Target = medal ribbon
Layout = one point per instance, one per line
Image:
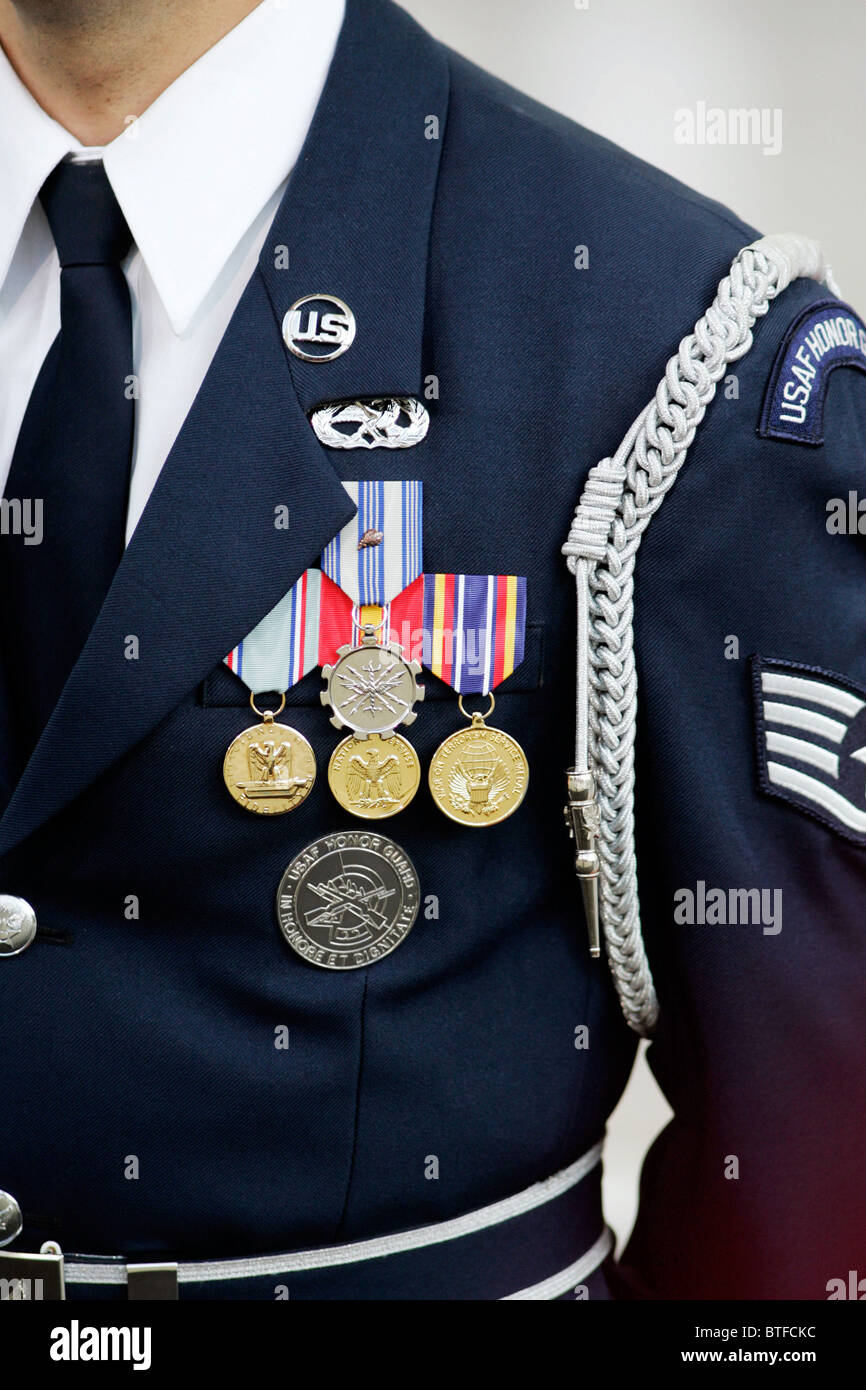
(343, 621)
(474, 627)
(284, 646)
(378, 554)
(468, 629)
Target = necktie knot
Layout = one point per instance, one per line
(84, 216)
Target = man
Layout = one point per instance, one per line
(261, 245)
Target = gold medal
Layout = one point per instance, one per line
(479, 775)
(374, 777)
(371, 688)
(270, 768)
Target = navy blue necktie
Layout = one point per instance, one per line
(73, 452)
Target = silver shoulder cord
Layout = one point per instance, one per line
(619, 499)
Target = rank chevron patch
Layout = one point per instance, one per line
(811, 727)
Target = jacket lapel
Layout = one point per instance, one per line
(206, 561)
(204, 564)
(362, 195)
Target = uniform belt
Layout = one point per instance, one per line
(538, 1244)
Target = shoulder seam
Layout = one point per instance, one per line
(632, 167)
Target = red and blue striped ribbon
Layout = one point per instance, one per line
(474, 628)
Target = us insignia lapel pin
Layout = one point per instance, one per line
(319, 327)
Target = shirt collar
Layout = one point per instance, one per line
(194, 171)
(31, 144)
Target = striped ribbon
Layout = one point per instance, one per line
(343, 621)
(468, 629)
(284, 646)
(474, 626)
(376, 573)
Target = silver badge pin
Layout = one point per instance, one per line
(319, 327)
(388, 422)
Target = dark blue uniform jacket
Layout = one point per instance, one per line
(153, 1035)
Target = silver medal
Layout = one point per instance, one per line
(371, 688)
(348, 900)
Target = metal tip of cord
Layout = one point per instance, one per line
(582, 819)
(589, 889)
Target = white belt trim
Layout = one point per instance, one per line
(493, 1215)
(566, 1279)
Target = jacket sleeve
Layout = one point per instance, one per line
(750, 630)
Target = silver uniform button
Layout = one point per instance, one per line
(17, 925)
(11, 1220)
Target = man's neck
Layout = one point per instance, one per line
(95, 65)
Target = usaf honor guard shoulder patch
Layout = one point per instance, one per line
(811, 727)
(823, 337)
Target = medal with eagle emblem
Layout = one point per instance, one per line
(476, 625)
(371, 688)
(270, 768)
(374, 777)
(479, 775)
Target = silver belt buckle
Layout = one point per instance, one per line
(151, 1282)
(31, 1278)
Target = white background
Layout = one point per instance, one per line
(625, 68)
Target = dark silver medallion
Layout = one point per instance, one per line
(348, 900)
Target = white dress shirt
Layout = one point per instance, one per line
(199, 176)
